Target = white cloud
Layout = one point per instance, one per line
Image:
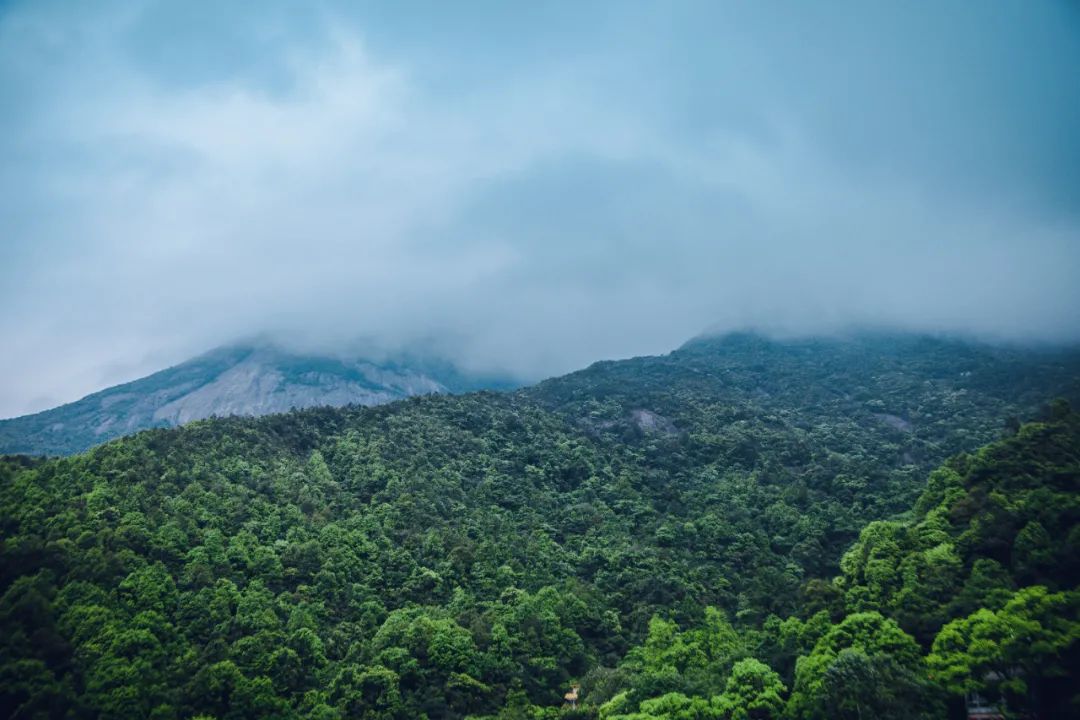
(583, 202)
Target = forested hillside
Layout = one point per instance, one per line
(663, 531)
(977, 590)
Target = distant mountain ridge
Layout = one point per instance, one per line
(245, 379)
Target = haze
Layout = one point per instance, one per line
(525, 187)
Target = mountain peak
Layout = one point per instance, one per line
(251, 377)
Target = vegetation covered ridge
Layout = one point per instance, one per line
(974, 595)
(664, 533)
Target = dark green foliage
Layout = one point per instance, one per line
(926, 609)
(987, 523)
(449, 556)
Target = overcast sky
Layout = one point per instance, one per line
(530, 186)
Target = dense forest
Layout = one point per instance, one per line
(741, 529)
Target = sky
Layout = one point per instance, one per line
(525, 187)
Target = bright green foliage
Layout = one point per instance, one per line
(1028, 638)
(942, 566)
(864, 667)
(984, 525)
(663, 531)
(753, 691)
(693, 662)
(674, 706)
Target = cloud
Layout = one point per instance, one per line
(526, 192)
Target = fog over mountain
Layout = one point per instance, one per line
(525, 187)
(250, 379)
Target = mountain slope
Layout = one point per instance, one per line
(975, 590)
(922, 391)
(835, 415)
(454, 555)
(237, 380)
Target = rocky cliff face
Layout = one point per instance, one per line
(238, 380)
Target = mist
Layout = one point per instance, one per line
(525, 188)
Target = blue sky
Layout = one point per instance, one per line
(527, 186)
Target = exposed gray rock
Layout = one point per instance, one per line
(648, 421)
(239, 380)
(895, 421)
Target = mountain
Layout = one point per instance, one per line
(740, 528)
(921, 398)
(235, 380)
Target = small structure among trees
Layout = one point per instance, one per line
(979, 708)
(572, 696)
